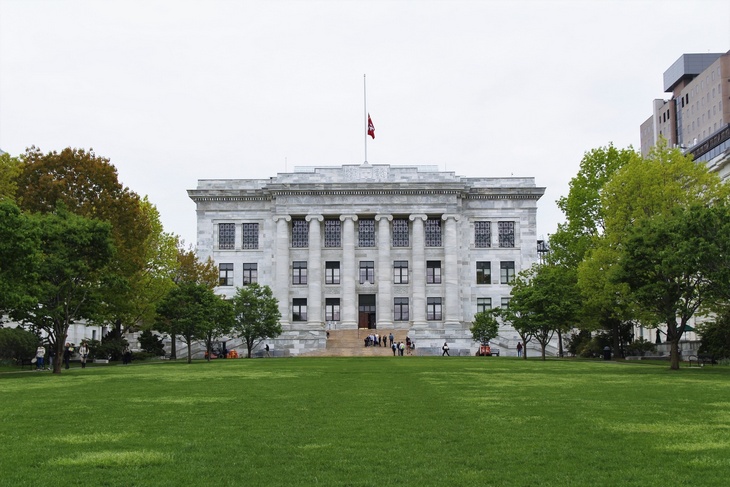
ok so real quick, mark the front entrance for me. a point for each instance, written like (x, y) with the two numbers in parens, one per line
(366, 311)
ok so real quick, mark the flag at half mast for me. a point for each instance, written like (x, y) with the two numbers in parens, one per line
(371, 127)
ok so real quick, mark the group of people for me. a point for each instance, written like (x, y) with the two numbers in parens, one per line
(375, 340)
(68, 351)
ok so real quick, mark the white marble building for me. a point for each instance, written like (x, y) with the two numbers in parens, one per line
(372, 246)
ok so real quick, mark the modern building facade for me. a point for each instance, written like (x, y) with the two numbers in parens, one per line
(697, 116)
(407, 248)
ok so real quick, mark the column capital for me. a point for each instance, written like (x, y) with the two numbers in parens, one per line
(319, 218)
(348, 217)
(418, 216)
(381, 217)
(282, 217)
(455, 216)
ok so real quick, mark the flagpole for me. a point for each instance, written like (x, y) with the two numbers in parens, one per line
(365, 115)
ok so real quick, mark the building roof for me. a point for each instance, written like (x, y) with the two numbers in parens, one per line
(687, 67)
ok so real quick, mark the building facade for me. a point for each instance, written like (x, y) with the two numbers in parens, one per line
(372, 246)
(697, 116)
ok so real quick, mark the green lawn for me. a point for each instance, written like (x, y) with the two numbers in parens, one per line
(367, 421)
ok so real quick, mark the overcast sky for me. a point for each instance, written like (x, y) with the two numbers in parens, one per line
(176, 91)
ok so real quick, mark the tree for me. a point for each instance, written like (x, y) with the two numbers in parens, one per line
(151, 343)
(521, 324)
(547, 299)
(189, 310)
(484, 327)
(9, 171)
(87, 185)
(73, 255)
(678, 263)
(222, 325)
(20, 254)
(257, 315)
(575, 242)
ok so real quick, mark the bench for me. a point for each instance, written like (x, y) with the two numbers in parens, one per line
(25, 361)
(702, 359)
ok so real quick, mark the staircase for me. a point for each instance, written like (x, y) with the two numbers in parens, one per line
(351, 343)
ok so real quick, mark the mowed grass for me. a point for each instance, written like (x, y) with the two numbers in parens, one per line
(367, 422)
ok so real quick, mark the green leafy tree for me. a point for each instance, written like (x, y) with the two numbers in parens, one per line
(20, 254)
(678, 263)
(574, 244)
(190, 310)
(9, 171)
(257, 315)
(74, 254)
(221, 325)
(484, 328)
(521, 323)
(87, 185)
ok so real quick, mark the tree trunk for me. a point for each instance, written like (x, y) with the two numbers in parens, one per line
(560, 344)
(524, 350)
(542, 346)
(173, 347)
(674, 355)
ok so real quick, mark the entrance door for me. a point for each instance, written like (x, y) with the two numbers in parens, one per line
(366, 311)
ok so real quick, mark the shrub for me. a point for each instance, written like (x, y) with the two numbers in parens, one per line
(152, 343)
(640, 346)
(17, 343)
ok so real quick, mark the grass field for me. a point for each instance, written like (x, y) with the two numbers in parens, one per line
(367, 422)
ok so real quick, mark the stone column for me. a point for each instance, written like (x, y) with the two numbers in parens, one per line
(385, 273)
(348, 301)
(418, 288)
(314, 273)
(451, 271)
(281, 279)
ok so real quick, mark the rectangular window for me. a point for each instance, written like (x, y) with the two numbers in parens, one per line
(433, 309)
(506, 272)
(506, 234)
(250, 235)
(366, 233)
(225, 274)
(250, 273)
(400, 272)
(226, 236)
(299, 272)
(299, 309)
(400, 232)
(484, 272)
(332, 309)
(299, 233)
(433, 232)
(484, 304)
(400, 309)
(505, 303)
(367, 271)
(332, 272)
(332, 233)
(482, 235)
(433, 272)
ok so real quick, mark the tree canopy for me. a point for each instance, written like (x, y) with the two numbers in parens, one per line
(257, 315)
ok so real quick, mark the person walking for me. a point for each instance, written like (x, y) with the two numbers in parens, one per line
(519, 349)
(83, 353)
(267, 350)
(40, 353)
(67, 351)
(126, 356)
(445, 349)
(393, 346)
(391, 339)
(51, 355)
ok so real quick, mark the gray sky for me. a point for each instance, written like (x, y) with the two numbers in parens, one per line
(176, 91)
